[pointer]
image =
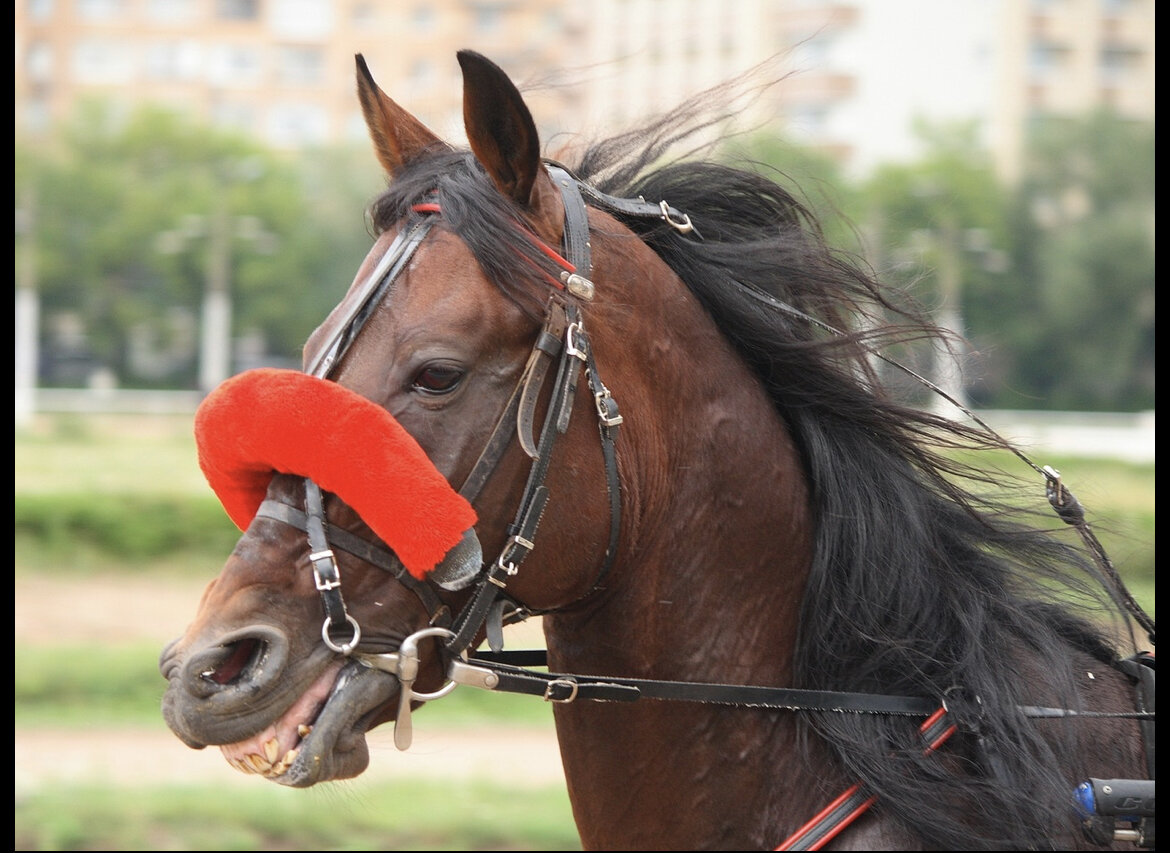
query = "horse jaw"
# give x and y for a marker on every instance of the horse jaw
(320, 736)
(306, 745)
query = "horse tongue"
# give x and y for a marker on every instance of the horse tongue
(269, 752)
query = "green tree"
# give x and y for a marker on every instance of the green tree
(937, 229)
(1082, 329)
(111, 190)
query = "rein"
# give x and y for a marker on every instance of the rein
(563, 348)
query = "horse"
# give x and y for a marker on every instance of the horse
(636, 397)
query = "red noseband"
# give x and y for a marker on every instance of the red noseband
(267, 421)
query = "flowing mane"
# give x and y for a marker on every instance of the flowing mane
(919, 583)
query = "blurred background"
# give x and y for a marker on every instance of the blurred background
(190, 184)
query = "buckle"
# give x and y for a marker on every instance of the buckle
(561, 682)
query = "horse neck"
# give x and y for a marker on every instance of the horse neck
(716, 534)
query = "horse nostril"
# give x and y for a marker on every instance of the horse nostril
(239, 659)
(241, 653)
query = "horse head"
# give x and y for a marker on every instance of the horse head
(471, 339)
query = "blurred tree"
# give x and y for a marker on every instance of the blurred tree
(1078, 321)
(936, 227)
(113, 189)
(813, 177)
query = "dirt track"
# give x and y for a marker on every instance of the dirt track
(118, 609)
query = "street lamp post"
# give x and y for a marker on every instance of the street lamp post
(27, 312)
(948, 353)
(215, 341)
(221, 229)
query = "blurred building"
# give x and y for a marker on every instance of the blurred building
(861, 72)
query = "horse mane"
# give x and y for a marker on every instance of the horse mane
(922, 581)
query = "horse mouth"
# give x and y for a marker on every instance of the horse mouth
(322, 736)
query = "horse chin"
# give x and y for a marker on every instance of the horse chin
(301, 750)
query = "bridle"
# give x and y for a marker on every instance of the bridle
(562, 350)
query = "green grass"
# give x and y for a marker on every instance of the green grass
(109, 455)
(117, 497)
(417, 815)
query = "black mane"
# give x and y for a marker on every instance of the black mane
(921, 583)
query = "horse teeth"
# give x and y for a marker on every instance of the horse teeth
(271, 750)
(303, 730)
(240, 765)
(281, 767)
(259, 763)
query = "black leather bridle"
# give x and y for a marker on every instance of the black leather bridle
(561, 351)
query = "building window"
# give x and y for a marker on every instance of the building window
(423, 20)
(296, 125)
(173, 60)
(234, 65)
(1045, 58)
(38, 62)
(300, 66)
(172, 11)
(100, 10)
(487, 19)
(301, 19)
(421, 76)
(237, 10)
(40, 10)
(103, 62)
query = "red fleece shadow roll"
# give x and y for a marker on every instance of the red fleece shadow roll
(267, 421)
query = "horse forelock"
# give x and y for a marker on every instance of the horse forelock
(489, 224)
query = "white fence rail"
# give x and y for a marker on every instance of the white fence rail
(1128, 436)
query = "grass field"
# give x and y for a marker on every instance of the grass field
(92, 680)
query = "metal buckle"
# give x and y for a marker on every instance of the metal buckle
(606, 414)
(571, 334)
(682, 226)
(321, 579)
(561, 682)
(341, 648)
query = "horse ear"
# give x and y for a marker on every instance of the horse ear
(398, 136)
(499, 126)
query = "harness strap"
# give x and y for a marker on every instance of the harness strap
(856, 799)
(372, 292)
(637, 208)
(522, 531)
(577, 248)
(326, 574)
(608, 421)
(363, 550)
(548, 346)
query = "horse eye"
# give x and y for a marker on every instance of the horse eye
(438, 379)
